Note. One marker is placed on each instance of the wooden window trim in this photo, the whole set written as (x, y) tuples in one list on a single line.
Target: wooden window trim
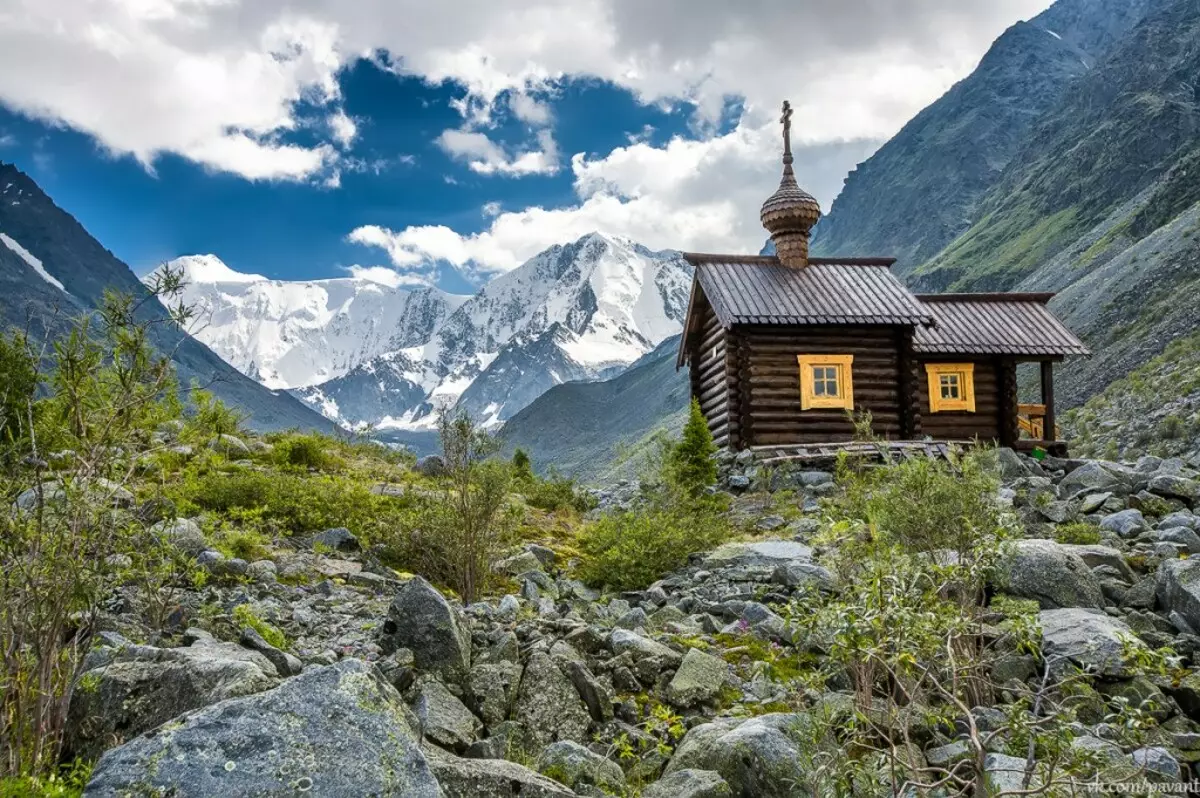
[(966, 374), (808, 398)]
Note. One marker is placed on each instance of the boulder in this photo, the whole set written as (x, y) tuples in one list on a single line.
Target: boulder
[(518, 564), (285, 664), (443, 718), (1052, 575), (182, 533), (1096, 556), (758, 757), (622, 640), (1158, 764), (596, 696), (699, 679), (492, 688), (1178, 589), (1093, 477), (1087, 639), (336, 539), (1183, 537), (760, 553), (1174, 486), (689, 784), (230, 446), (431, 466), (1004, 775), (548, 704), (335, 730), (490, 778), (421, 619), (1127, 523), (572, 764), (136, 688)]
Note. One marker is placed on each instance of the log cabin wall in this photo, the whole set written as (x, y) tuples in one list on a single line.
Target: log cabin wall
[(986, 423), (712, 369), (768, 381)]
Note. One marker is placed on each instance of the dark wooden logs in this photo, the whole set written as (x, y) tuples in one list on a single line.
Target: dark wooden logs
[(1051, 428)]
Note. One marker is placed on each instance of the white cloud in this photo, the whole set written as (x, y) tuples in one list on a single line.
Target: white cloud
[(693, 195), (220, 81), (486, 157), (386, 276), (492, 208), (7, 140), (343, 129)]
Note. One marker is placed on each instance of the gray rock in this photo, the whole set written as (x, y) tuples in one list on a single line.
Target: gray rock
[(762, 552), (490, 778), (421, 619), (443, 718), (799, 573), (690, 784), (576, 766), (492, 689), (285, 664), (1174, 486), (1087, 639), (597, 697), (182, 533), (262, 571), (1092, 477), (1182, 518), (1096, 556), (698, 680), (336, 539), (1052, 575), (1009, 465), (518, 564), (945, 755), (336, 730), (230, 446), (431, 466), (1004, 774), (548, 705), (1158, 764), (756, 757), (1127, 523), (1185, 537), (140, 687), (622, 640), (1178, 589)]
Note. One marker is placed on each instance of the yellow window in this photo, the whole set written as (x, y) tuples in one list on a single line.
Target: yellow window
[(826, 382), (951, 387)]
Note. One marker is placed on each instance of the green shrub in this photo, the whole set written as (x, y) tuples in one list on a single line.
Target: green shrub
[(244, 616), (555, 493), (522, 466), (1079, 532), (291, 504), (630, 550), (304, 451)]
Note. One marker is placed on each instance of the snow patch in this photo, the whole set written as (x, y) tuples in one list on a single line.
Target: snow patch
[(33, 262), (1055, 35)]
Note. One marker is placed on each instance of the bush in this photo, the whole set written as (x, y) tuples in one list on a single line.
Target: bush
[(630, 550), (469, 524), (554, 494), (1080, 532), (305, 452), (522, 466)]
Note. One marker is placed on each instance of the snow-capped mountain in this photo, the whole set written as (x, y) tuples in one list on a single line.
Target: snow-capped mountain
[(295, 334), (580, 311)]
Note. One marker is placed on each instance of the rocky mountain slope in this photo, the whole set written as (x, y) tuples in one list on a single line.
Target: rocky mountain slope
[(293, 334), (581, 311), (51, 269), (922, 188), (592, 430), (705, 683)]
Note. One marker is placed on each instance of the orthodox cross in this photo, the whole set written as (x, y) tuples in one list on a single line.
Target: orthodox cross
[(786, 119)]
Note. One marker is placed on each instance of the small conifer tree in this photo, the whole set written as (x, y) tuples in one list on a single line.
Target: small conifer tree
[(522, 466), (691, 463)]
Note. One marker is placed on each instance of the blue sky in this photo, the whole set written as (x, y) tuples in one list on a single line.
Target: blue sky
[(449, 142)]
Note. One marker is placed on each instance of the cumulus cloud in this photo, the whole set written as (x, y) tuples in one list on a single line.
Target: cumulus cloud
[(220, 82), (343, 129), (689, 194), (386, 276), (487, 157)]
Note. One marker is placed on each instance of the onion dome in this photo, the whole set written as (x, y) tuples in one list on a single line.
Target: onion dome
[(790, 213)]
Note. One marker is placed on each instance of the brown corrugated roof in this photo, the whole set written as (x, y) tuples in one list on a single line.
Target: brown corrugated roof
[(759, 290), (994, 324)]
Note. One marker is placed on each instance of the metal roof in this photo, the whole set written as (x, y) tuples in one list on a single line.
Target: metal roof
[(760, 290), (994, 324)]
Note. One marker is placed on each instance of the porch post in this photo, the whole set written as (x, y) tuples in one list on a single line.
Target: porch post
[(1049, 429)]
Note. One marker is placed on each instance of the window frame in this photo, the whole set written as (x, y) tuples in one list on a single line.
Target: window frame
[(844, 400), (966, 380)]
